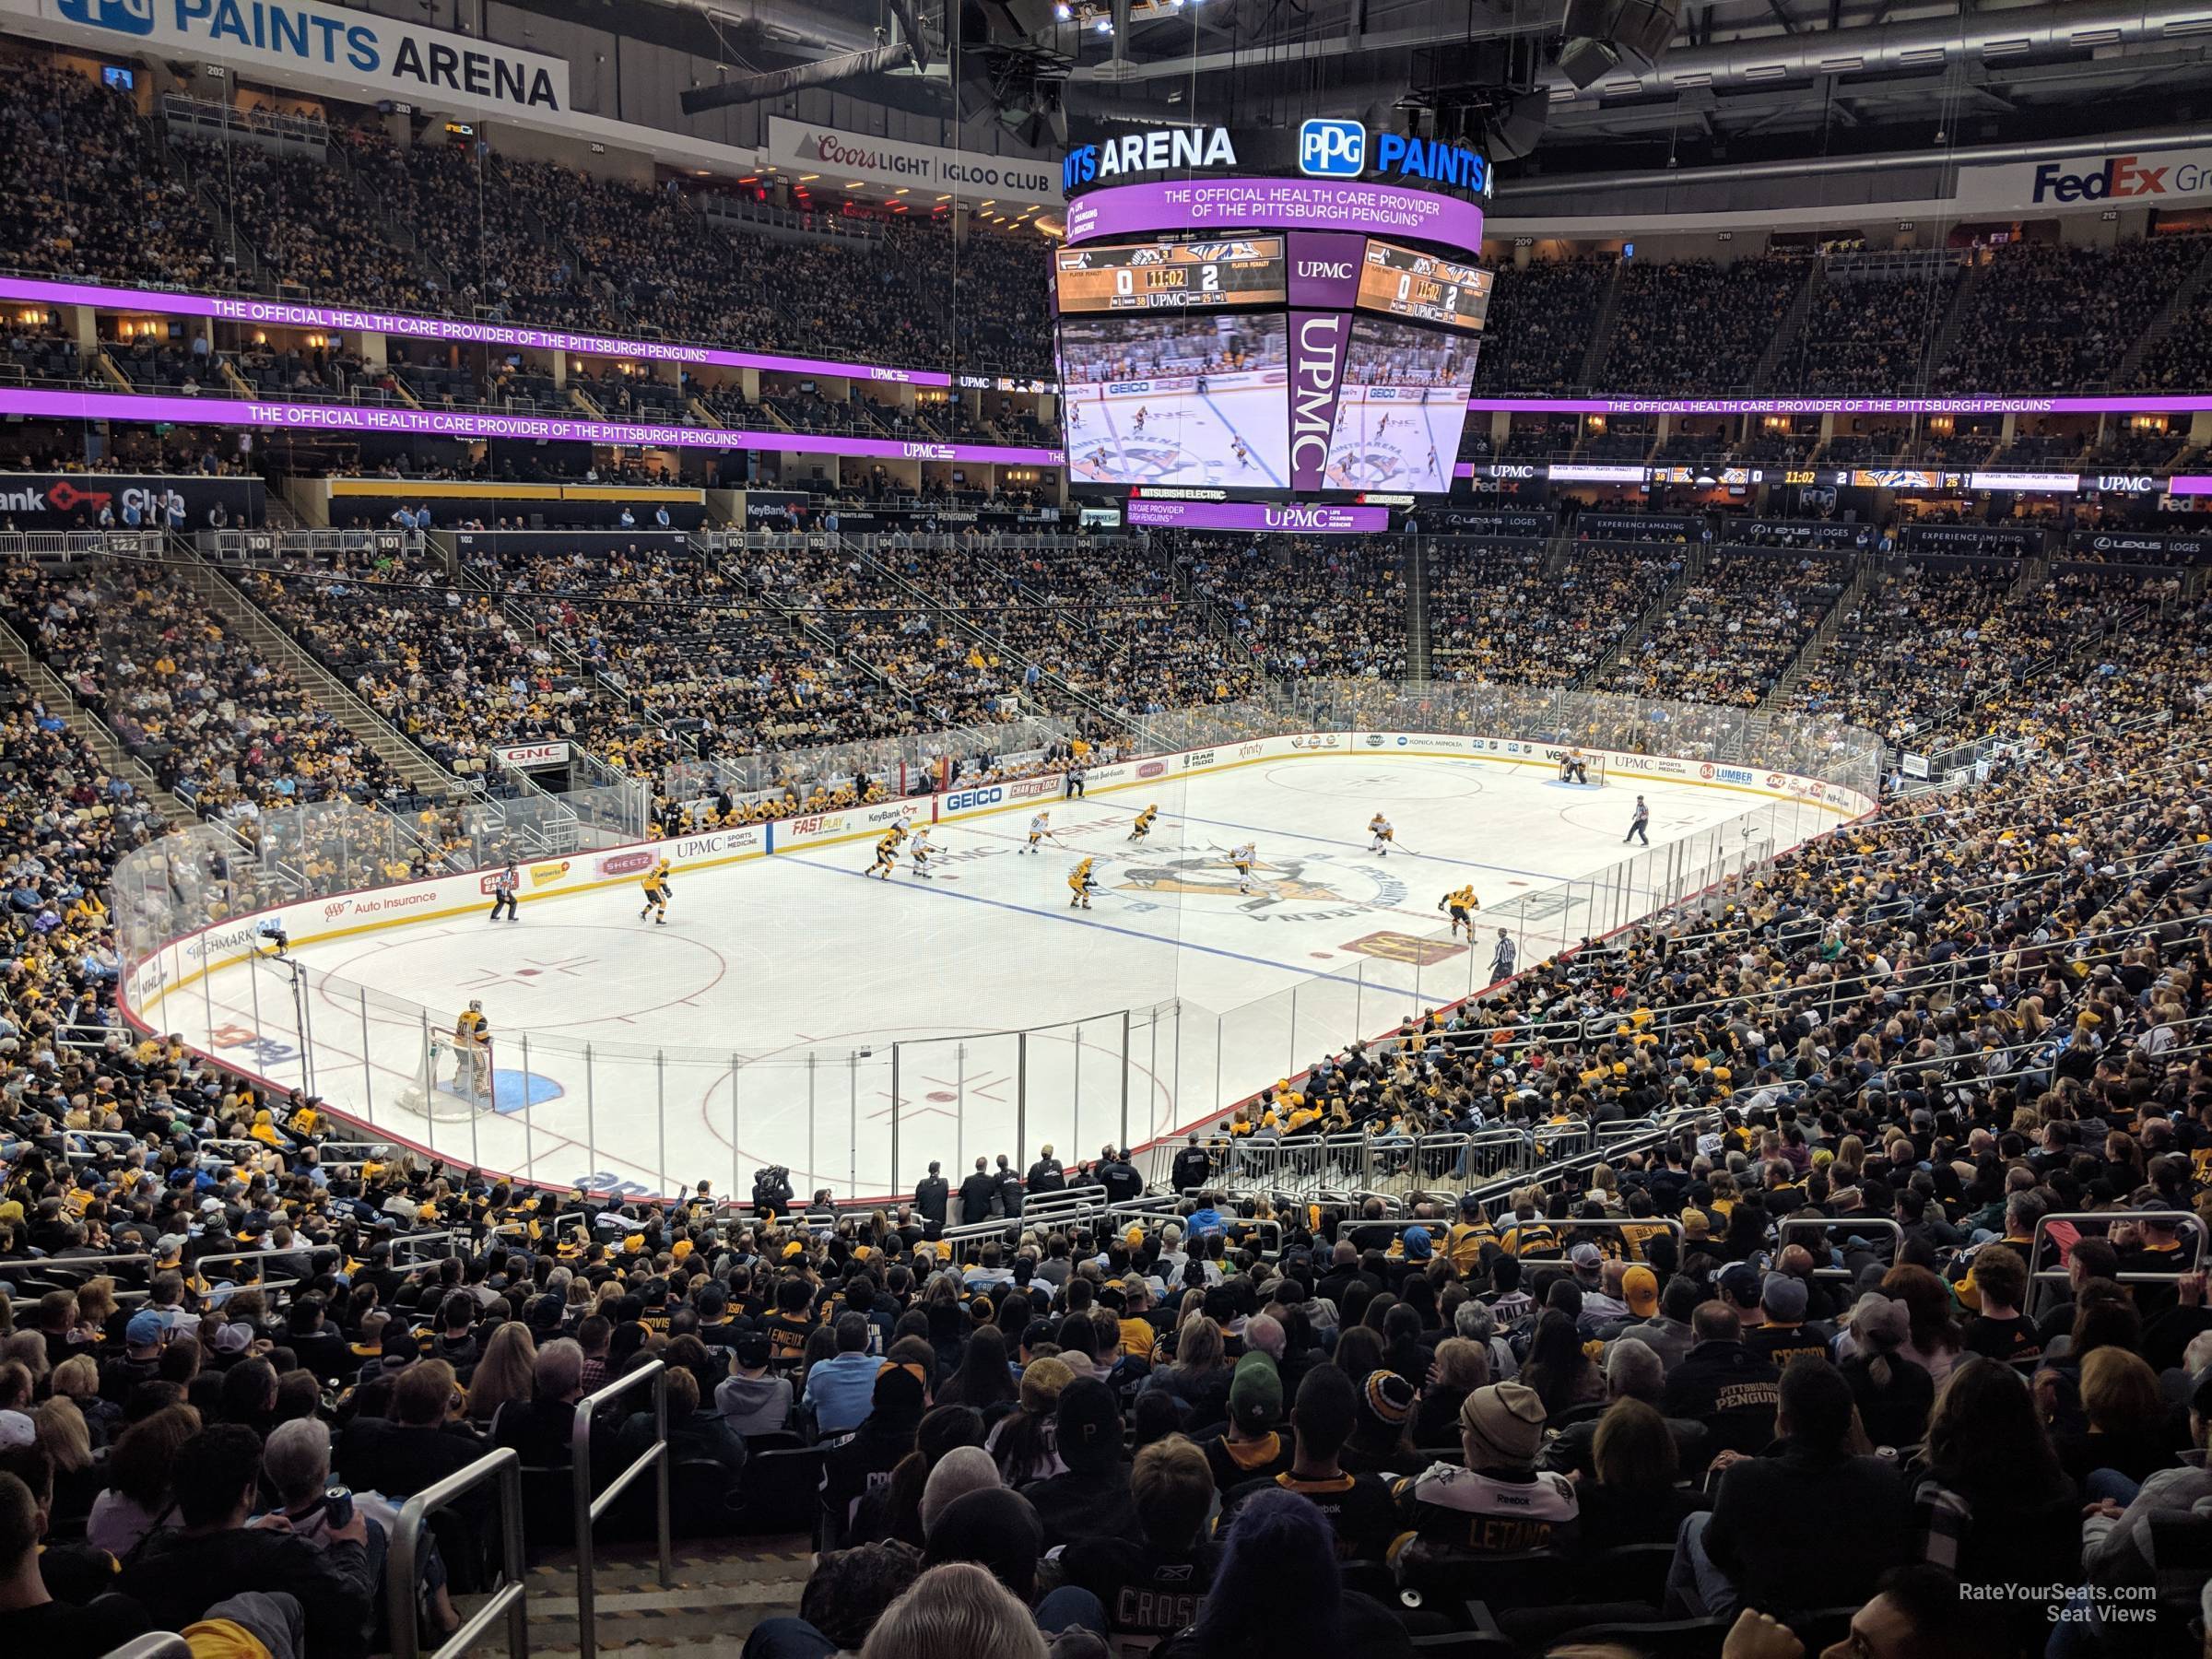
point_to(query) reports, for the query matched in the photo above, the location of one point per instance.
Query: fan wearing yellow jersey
(1241, 859)
(1463, 904)
(1384, 835)
(1081, 884)
(1143, 827)
(656, 895)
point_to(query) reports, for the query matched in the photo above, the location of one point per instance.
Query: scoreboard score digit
(1405, 282)
(1164, 275)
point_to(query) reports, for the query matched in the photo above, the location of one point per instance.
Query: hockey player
(1573, 767)
(1143, 825)
(1241, 859)
(918, 853)
(472, 1040)
(1041, 831)
(656, 894)
(502, 892)
(1081, 884)
(1383, 836)
(1463, 904)
(886, 853)
(271, 928)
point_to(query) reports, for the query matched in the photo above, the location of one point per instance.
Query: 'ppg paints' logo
(125, 16)
(1332, 149)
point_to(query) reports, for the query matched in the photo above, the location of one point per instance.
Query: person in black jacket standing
(1046, 1175)
(978, 1194)
(932, 1196)
(1192, 1168)
(1119, 1176)
(1009, 1190)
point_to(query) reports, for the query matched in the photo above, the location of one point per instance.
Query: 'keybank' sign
(382, 57)
(2140, 178)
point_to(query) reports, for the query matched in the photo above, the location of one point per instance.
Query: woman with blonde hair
(2129, 1434)
(503, 1374)
(78, 1481)
(78, 1378)
(1199, 1377)
(956, 1611)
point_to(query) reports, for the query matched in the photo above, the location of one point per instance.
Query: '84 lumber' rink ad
(795, 1011)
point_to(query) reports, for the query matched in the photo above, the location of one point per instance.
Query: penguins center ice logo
(1293, 888)
(1366, 468)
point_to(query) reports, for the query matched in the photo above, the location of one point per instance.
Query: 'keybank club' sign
(2130, 179)
(382, 57)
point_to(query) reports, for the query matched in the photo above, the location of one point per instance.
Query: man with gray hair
(1475, 1322)
(1633, 1371)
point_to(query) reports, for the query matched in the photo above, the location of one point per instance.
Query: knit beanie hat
(1505, 1423)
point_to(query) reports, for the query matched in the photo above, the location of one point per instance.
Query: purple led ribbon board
(1982, 403)
(468, 423)
(285, 313)
(1275, 205)
(1257, 516)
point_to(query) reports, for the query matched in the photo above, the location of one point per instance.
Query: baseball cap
(1255, 1395)
(17, 1430)
(1739, 1283)
(752, 1351)
(1087, 1425)
(144, 1329)
(1783, 1297)
(1586, 1258)
(233, 1338)
(1418, 1247)
(1506, 1419)
(1639, 1289)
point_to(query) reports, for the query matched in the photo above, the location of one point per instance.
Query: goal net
(452, 1080)
(1584, 766)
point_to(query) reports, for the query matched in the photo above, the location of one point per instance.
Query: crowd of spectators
(1734, 632)
(2061, 314)
(1692, 325)
(1868, 330)
(1620, 1393)
(229, 734)
(1300, 607)
(1539, 325)
(1509, 617)
(1239, 1418)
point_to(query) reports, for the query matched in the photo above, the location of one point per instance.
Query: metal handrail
(589, 1509)
(2178, 1217)
(154, 1644)
(1824, 1223)
(505, 1465)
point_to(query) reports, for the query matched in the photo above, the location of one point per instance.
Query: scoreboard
(1405, 282)
(1161, 275)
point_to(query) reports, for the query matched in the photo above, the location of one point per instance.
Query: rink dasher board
(182, 961)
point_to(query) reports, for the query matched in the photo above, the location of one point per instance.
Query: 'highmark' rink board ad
(183, 960)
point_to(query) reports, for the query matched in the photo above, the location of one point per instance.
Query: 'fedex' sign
(2120, 177)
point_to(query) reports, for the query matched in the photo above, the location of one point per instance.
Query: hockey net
(451, 1080)
(1593, 768)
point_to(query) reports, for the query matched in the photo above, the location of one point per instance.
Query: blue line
(1053, 916)
(1470, 864)
(1208, 401)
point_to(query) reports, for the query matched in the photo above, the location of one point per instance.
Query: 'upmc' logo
(1332, 149)
(2120, 177)
(125, 16)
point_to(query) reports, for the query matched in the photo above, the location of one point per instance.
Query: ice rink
(761, 1024)
(1187, 438)
(1390, 443)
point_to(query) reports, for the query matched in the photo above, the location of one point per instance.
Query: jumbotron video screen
(1176, 364)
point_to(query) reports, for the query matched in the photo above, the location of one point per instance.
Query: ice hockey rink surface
(756, 1026)
(1187, 438)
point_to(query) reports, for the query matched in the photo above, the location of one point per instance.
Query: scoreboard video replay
(1213, 346)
